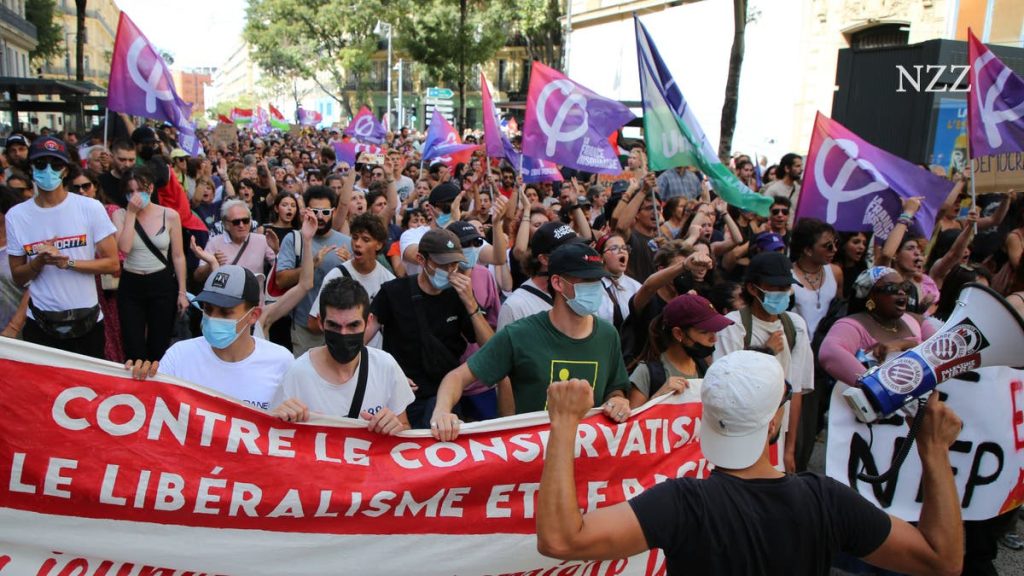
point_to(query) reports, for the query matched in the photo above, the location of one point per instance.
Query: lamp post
(385, 28)
(401, 109)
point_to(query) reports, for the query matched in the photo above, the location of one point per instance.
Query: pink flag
(365, 127)
(309, 117)
(443, 142)
(569, 124)
(140, 84)
(492, 133)
(995, 107)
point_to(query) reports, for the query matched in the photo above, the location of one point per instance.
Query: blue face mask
(443, 219)
(221, 332)
(46, 179)
(145, 198)
(589, 296)
(472, 254)
(774, 302)
(439, 279)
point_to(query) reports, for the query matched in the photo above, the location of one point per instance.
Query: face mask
(471, 254)
(145, 197)
(439, 279)
(343, 347)
(443, 220)
(589, 296)
(46, 179)
(775, 302)
(698, 350)
(221, 332)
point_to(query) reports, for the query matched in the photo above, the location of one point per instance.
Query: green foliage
(536, 23)
(316, 39)
(49, 33)
(434, 36)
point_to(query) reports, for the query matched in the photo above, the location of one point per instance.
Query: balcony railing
(11, 17)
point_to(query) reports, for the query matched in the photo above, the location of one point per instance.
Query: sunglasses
(475, 243)
(788, 395)
(240, 221)
(830, 246)
(780, 211)
(322, 211)
(893, 289)
(76, 188)
(289, 181)
(55, 163)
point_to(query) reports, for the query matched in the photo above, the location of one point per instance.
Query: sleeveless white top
(812, 305)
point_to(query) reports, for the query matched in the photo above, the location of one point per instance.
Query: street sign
(435, 92)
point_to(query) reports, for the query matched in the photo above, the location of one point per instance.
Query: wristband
(479, 310)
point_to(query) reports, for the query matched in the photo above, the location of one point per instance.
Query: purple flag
(260, 122)
(140, 84)
(365, 127)
(569, 124)
(995, 107)
(858, 187)
(348, 151)
(442, 140)
(493, 136)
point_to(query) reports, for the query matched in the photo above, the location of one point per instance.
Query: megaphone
(983, 330)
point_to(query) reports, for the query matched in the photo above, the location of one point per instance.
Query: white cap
(741, 393)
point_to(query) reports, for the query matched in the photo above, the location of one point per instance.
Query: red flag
(223, 119)
(275, 113)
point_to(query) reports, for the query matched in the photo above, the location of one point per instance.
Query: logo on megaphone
(959, 346)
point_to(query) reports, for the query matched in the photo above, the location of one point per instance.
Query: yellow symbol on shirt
(562, 370)
(563, 374)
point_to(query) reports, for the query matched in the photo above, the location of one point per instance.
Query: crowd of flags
(847, 181)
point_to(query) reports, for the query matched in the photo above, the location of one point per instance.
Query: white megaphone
(983, 330)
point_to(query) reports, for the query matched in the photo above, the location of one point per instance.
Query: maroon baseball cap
(693, 310)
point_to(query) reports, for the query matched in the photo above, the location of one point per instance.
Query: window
(881, 36)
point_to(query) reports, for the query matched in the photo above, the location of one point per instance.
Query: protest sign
(999, 173)
(223, 136)
(987, 457)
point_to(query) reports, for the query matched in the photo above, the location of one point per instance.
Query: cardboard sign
(223, 136)
(999, 173)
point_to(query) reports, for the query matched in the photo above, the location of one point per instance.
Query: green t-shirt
(533, 354)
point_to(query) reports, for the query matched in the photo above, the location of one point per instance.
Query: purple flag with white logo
(140, 84)
(442, 140)
(855, 186)
(569, 124)
(365, 128)
(995, 106)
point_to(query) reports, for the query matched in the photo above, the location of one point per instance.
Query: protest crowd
(311, 272)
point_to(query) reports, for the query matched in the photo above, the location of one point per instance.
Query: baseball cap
(577, 260)
(768, 242)
(467, 233)
(741, 393)
(229, 286)
(144, 135)
(48, 146)
(442, 246)
(693, 310)
(178, 153)
(771, 268)
(551, 236)
(444, 192)
(16, 139)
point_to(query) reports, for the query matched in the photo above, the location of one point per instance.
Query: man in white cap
(747, 517)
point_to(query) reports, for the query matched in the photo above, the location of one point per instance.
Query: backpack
(658, 375)
(747, 319)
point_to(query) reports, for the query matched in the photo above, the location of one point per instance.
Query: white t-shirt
(411, 237)
(798, 365)
(386, 387)
(371, 282)
(78, 224)
(624, 289)
(521, 304)
(252, 380)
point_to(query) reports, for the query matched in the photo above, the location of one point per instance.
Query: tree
(450, 37)
(732, 84)
(49, 34)
(80, 39)
(313, 39)
(537, 23)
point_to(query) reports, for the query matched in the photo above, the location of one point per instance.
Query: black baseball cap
(229, 286)
(444, 192)
(48, 146)
(771, 268)
(551, 236)
(144, 135)
(467, 233)
(577, 260)
(17, 139)
(442, 246)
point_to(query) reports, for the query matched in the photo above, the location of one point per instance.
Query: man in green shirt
(564, 343)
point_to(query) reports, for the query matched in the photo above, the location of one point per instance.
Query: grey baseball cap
(229, 286)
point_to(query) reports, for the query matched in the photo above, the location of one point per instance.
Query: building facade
(17, 39)
(191, 86)
(101, 17)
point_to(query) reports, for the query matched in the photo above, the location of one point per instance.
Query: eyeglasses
(55, 163)
(788, 395)
(76, 188)
(621, 248)
(894, 288)
(322, 211)
(780, 211)
(240, 221)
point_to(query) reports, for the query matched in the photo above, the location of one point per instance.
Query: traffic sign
(435, 92)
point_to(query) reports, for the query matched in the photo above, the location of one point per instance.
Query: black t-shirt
(728, 525)
(447, 321)
(112, 188)
(641, 257)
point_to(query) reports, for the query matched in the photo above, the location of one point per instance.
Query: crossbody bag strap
(242, 249)
(536, 292)
(364, 371)
(141, 233)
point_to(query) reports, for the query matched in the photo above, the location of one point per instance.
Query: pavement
(1008, 562)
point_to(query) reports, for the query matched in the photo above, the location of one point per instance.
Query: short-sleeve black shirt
(727, 525)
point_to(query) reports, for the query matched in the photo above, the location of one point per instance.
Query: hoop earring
(869, 305)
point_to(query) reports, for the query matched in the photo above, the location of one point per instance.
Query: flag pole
(106, 125)
(970, 162)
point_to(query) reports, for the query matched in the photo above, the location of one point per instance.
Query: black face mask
(147, 152)
(698, 350)
(343, 347)
(683, 283)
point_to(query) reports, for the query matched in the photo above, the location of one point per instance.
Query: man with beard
(635, 219)
(123, 157)
(330, 248)
(16, 151)
(508, 181)
(787, 179)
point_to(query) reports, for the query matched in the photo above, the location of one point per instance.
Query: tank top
(141, 259)
(812, 305)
